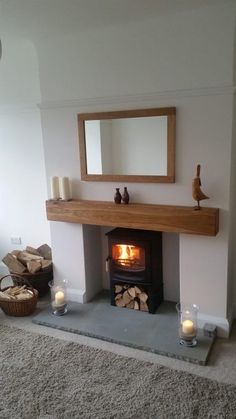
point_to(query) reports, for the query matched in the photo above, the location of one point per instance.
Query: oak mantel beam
(166, 218)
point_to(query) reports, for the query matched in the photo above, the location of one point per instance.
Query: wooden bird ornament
(197, 193)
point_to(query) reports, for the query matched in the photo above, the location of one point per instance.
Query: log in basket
(18, 308)
(39, 280)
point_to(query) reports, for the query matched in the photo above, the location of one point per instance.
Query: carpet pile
(47, 378)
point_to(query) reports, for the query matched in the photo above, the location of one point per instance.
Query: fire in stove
(128, 257)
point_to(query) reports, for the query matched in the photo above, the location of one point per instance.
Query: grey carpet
(48, 378)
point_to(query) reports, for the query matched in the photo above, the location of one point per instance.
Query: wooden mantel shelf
(167, 218)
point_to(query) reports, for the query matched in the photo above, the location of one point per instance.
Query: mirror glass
(128, 145)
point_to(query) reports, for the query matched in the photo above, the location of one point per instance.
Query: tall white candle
(65, 188)
(54, 181)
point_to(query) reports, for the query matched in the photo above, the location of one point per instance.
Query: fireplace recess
(135, 263)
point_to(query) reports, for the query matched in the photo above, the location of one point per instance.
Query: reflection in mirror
(136, 146)
(118, 146)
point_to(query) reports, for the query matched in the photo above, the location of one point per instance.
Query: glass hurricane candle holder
(58, 298)
(187, 324)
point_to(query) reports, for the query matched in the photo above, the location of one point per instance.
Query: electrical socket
(15, 240)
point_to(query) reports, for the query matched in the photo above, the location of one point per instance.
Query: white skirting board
(78, 296)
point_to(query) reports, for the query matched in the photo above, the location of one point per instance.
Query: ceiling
(37, 18)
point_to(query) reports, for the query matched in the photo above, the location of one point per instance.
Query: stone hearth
(157, 333)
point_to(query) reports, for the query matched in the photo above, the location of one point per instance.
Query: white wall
(22, 170)
(93, 260)
(174, 51)
(171, 277)
(22, 181)
(19, 78)
(68, 257)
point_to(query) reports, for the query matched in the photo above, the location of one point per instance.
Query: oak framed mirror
(129, 146)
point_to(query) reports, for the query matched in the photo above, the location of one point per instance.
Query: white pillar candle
(188, 327)
(54, 181)
(59, 298)
(65, 188)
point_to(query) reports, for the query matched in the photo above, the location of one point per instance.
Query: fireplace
(135, 268)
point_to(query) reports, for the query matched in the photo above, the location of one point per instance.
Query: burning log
(132, 297)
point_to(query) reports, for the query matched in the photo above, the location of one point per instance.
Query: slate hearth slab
(157, 333)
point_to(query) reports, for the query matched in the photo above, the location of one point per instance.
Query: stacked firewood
(16, 293)
(131, 297)
(30, 260)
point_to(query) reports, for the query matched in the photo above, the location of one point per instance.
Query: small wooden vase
(125, 196)
(117, 196)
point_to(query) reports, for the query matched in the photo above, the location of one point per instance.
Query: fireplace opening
(135, 269)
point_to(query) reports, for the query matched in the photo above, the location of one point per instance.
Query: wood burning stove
(135, 268)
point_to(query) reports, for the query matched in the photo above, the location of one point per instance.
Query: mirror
(129, 146)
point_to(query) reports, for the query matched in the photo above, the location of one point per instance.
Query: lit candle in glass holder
(58, 298)
(187, 318)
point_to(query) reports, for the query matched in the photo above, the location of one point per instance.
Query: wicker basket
(18, 308)
(38, 281)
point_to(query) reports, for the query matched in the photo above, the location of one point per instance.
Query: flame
(124, 252)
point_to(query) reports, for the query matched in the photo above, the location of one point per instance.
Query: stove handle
(107, 263)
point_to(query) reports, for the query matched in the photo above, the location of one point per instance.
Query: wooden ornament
(197, 193)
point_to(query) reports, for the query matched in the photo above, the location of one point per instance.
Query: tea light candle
(59, 298)
(188, 327)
